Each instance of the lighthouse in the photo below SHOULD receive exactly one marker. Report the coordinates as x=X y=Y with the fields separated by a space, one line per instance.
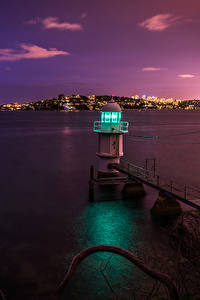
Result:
x=110 y=131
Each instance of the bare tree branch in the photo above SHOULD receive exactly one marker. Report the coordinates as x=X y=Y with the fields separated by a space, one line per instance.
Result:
x=2 y=295
x=163 y=278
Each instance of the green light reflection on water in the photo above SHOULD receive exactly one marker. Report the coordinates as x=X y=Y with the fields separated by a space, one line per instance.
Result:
x=108 y=223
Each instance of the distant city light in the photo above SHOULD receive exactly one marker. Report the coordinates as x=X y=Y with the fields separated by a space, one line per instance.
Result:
x=94 y=102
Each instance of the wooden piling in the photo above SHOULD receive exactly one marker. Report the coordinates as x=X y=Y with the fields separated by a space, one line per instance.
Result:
x=91 y=184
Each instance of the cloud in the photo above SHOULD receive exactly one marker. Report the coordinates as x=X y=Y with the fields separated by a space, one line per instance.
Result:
x=83 y=15
x=186 y=75
x=160 y=22
x=52 y=22
x=149 y=69
x=29 y=51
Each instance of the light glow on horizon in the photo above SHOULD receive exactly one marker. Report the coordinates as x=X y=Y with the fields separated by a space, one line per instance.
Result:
x=186 y=76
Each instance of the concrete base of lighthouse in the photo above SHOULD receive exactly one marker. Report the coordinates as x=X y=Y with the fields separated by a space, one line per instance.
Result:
x=133 y=190
x=104 y=169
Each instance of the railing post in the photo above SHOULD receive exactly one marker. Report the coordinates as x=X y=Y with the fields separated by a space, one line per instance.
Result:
x=146 y=163
x=171 y=186
x=154 y=167
x=91 y=184
x=185 y=191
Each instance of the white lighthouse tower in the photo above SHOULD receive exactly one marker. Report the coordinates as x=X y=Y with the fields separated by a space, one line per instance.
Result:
x=110 y=138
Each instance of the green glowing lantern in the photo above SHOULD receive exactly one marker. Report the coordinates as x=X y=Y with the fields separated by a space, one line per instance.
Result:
x=111 y=119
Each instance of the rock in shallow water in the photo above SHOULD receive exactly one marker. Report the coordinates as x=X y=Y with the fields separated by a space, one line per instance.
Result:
x=166 y=206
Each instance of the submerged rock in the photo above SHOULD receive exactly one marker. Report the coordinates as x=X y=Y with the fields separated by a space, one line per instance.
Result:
x=133 y=190
x=166 y=206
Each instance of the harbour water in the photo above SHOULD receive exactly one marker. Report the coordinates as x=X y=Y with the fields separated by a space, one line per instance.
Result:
x=45 y=215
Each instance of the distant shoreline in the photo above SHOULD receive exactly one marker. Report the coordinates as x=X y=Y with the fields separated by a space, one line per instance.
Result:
x=95 y=103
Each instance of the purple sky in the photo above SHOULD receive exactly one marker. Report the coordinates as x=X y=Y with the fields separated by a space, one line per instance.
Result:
x=119 y=47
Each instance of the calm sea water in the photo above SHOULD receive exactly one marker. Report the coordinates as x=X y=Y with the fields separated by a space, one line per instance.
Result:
x=45 y=216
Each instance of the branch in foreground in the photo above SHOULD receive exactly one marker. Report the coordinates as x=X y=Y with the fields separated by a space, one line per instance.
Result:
x=163 y=278
x=2 y=295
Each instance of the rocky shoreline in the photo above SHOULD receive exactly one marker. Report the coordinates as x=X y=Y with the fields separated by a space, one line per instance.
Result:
x=183 y=233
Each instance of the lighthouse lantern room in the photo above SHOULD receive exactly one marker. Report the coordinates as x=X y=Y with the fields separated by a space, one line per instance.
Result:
x=110 y=131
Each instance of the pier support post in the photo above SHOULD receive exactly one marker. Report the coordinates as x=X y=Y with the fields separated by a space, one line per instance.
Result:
x=91 y=184
x=158 y=180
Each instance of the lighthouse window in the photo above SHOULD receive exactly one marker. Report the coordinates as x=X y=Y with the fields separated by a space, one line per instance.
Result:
x=119 y=117
x=102 y=116
x=114 y=117
x=107 y=117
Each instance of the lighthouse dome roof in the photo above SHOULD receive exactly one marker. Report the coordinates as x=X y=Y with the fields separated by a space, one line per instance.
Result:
x=111 y=106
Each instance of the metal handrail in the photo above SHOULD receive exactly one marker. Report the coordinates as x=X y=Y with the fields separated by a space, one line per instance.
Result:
x=134 y=166
x=148 y=174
